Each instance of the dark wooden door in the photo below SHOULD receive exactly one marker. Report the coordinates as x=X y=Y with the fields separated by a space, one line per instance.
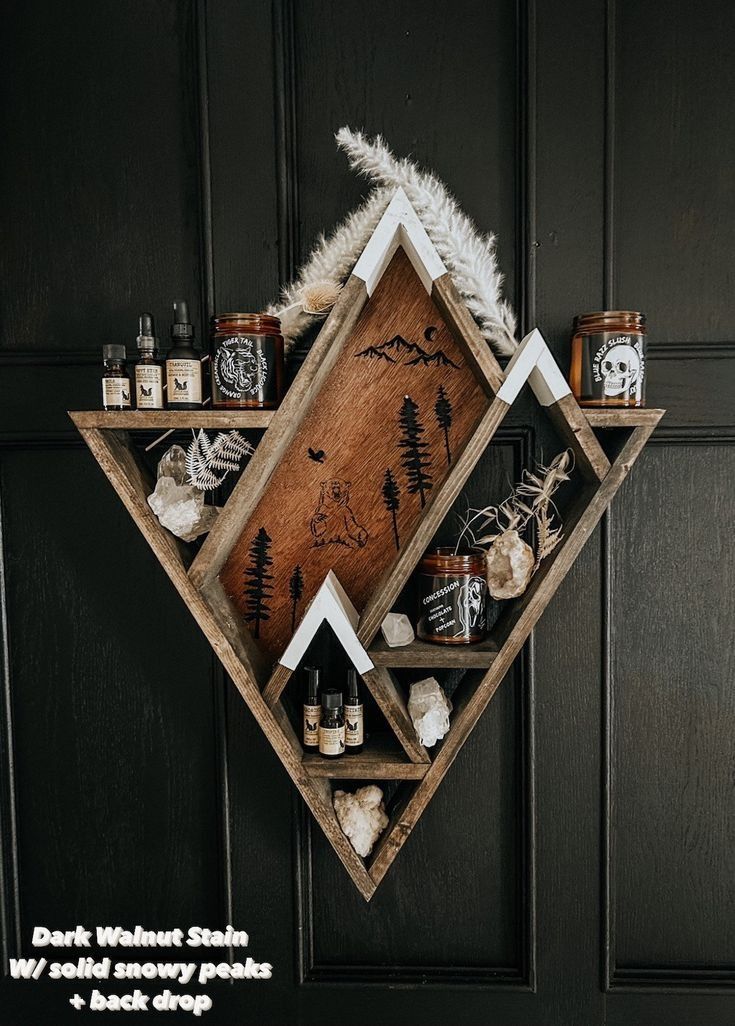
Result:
x=577 y=866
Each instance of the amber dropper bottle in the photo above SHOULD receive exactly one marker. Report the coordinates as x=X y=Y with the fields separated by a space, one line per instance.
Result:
x=312 y=709
x=183 y=364
x=354 y=715
x=148 y=369
x=332 y=725
x=115 y=380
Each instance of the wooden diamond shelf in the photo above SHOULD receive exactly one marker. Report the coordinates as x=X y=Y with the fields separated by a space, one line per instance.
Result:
x=378 y=761
x=338 y=430
x=423 y=654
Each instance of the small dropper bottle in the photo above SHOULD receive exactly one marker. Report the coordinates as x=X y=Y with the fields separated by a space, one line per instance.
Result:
x=354 y=715
x=115 y=380
x=312 y=709
x=183 y=364
x=148 y=370
x=332 y=725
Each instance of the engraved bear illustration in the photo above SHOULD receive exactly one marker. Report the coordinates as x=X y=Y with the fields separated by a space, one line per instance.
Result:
x=333 y=522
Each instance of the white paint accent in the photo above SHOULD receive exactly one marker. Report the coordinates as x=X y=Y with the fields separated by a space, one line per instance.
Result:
x=399 y=226
x=331 y=604
x=534 y=362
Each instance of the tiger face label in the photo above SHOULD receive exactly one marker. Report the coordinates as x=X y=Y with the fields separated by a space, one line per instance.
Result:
x=243 y=369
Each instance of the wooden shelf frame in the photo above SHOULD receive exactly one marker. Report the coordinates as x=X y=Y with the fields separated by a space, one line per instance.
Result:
x=113 y=448
x=261 y=685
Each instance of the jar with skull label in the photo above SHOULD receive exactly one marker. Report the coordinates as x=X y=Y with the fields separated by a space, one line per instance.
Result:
x=609 y=359
x=247 y=361
x=452 y=597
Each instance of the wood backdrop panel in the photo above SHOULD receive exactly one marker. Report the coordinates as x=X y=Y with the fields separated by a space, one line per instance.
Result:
x=674 y=150
x=100 y=187
x=674 y=712
x=122 y=826
x=328 y=513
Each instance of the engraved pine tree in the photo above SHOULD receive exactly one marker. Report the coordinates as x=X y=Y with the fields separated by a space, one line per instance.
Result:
x=392 y=500
x=443 y=411
x=258 y=586
x=295 y=590
x=416 y=457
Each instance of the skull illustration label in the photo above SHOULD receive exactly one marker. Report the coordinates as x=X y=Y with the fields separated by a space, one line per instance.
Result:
x=614 y=367
x=242 y=369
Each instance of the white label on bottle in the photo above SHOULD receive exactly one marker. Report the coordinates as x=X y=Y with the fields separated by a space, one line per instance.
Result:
x=183 y=381
x=331 y=740
x=149 y=386
x=354 y=733
x=116 y=392
x=312 y=715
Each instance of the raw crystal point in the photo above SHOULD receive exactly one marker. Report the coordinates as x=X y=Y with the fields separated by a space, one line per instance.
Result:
x=361 y=816
x=173 y=464
x=397 y=630
x=429 y=709
x=510 y=563
x=180 y=508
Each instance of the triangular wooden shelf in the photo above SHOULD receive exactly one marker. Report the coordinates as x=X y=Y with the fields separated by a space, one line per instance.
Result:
x=399 y=257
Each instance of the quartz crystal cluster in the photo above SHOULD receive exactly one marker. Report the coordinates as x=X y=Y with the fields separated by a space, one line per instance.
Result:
x=510 y=563
x=361 y=816
x=429 y=709
x=180 y=506
x=397 y=630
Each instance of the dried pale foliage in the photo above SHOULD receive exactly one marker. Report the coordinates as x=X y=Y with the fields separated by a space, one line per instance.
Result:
x=469 y=255
x=530 y=502
x=208 y=462
x=329 y=264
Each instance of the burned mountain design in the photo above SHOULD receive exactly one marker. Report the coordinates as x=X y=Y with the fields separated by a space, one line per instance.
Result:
x=400 y=345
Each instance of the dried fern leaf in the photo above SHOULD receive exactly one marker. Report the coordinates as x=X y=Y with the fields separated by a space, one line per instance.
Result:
x=209 y=462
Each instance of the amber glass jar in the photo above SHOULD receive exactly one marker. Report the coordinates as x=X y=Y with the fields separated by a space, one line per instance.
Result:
x=609 y=358
x=247 y=361
x=452 y=597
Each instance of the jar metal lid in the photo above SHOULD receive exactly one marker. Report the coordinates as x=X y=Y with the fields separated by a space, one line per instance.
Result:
x=445 y=560
x=612 y=319
x=258 y=323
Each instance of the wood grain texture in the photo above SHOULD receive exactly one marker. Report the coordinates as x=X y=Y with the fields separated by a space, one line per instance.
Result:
x=386 y=591
x=511 y=632
x=458 y=318
x=315 y=369
x=668 y=850
x=182 y=419
x=424 y=653
x=119 y=463
x=354 y=417
x=378 y=761
x=574 y=429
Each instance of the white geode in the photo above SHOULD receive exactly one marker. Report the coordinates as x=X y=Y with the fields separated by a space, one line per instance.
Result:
x=397 y=630
x=180 y=509
x=510 y=563
x=361 y=816
x=429 y=709
x=173 y=464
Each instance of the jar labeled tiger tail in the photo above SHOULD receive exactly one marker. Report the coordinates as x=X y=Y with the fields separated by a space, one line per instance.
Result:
x=609 y=358
x=452 y=597
x=247 y=361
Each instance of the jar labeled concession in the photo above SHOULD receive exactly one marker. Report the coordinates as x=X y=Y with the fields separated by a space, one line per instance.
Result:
x=609 y=358
x=247 y=361
x=452 y=597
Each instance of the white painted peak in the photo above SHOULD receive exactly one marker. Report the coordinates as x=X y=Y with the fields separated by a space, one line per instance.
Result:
x=332 y=604
x=399 y=226
x=534 y=362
